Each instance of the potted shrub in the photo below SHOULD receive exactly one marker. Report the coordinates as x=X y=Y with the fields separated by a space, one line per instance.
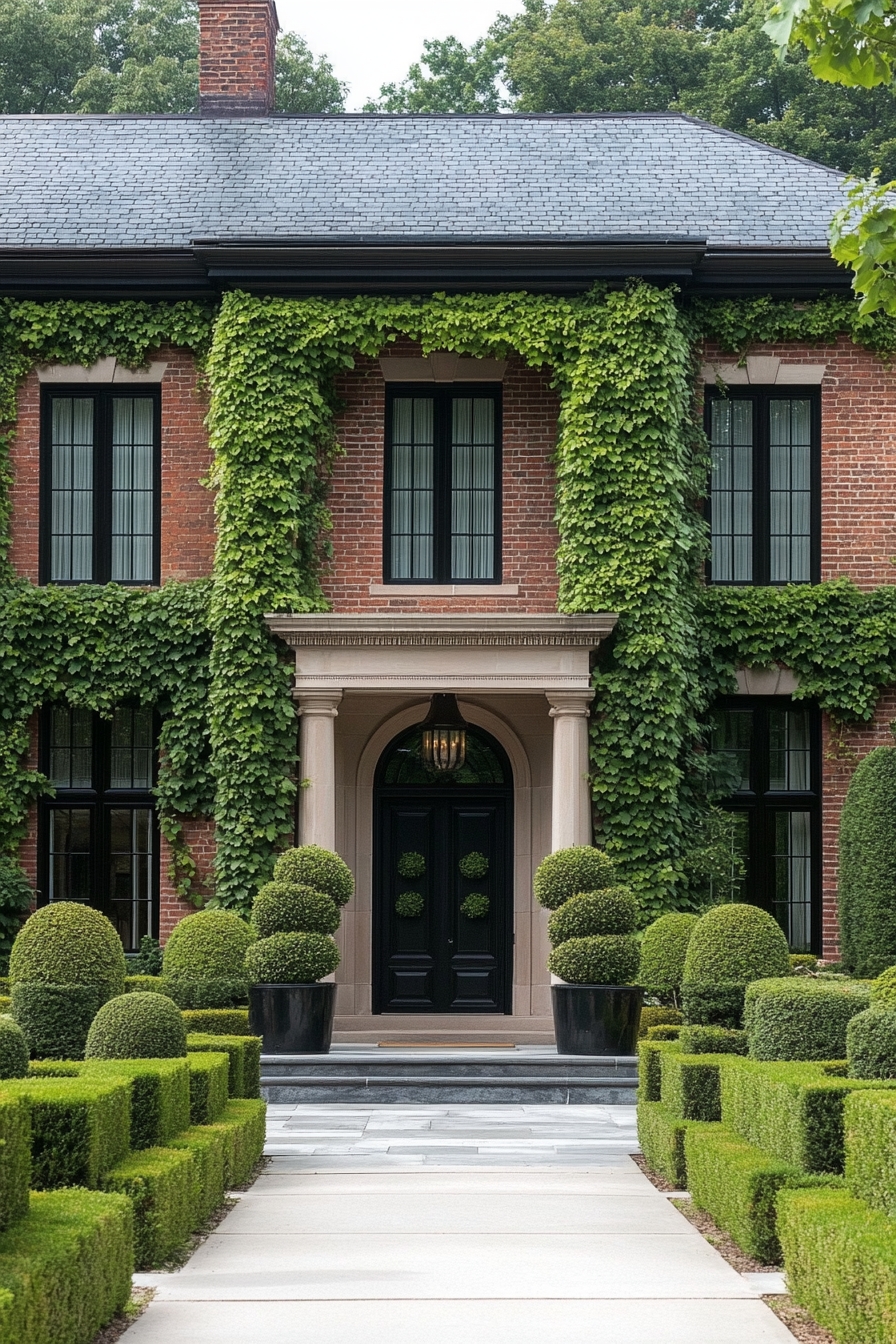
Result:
x=595 y=956
x=291 y=1006
x=202 y=962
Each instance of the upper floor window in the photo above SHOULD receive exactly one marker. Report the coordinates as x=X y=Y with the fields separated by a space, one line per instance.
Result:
x=100 y=487
x=764 y=491
x=443 y=486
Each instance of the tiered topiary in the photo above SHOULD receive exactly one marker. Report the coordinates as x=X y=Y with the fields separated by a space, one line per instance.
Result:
x=592 y=927
x=866 y=904
x=66 y=962
x=663 y=950
x=569 y=872
x=731 y=946
x=13 y=1049
x=202 y=962
x=294 y=916
x=137 y=1026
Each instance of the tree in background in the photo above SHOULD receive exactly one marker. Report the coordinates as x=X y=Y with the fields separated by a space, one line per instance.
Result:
x=460 y=79
x=130 y=56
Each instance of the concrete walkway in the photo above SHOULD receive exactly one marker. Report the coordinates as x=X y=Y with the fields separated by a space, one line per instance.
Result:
x=519 y=1224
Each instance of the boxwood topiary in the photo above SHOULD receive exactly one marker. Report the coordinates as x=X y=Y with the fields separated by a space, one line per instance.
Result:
x=311 y=866
x=569 y=872
x=476 y=905
x=611 y=959
x=720 y=1005
x=871 y=1044
x=209 y=945
x=736 y=943
x=713 y=1041
x=137 y=1026
x=13 y=1049
x=67 y=943
x=883 y=989
x=56 y=1018
x=411 y=865
x=291 y=959
x=290 y=907
x=866 y=904
x=663 y=1031
x=473 y=866
x=218 y=993
x=797 y=1017
x=653 y=1015
x=409 y=905
x=663 y=950
x=613 y=910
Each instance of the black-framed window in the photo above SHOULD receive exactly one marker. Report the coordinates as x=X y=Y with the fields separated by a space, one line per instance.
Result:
x=98 y=836
x=443 y=485
x=763 y=506
x=772 y=746
x=100 y=485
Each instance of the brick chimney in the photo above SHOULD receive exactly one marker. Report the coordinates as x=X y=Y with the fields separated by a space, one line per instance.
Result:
x=236 y=57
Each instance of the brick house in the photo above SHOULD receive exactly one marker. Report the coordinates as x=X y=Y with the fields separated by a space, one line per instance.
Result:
x=443 y=579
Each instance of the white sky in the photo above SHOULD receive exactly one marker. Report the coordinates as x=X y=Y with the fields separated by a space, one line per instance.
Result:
x=372 y=42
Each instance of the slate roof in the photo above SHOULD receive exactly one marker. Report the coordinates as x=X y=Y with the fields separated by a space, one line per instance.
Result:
x=160 y=182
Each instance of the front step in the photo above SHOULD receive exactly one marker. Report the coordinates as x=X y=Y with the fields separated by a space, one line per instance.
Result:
x=432 y=1028
x=353 y=1074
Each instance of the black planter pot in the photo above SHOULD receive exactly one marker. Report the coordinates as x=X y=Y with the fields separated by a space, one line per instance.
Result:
x=597 y=1019
x=293 y=1019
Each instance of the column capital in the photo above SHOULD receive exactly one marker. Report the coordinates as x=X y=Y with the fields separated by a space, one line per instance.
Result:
x=320 y=704
x=574 y=703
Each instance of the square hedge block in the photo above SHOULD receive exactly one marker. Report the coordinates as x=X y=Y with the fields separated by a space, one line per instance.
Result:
x=80 y=1127
x=15 y=1159
x=160 y=1095
x=661 y=1136
x=244 y=1053
x=689 y=1085
x=243 y=1127
x=217 y=1021
x=209 y=1073
x=162 y=1185
x=650 y=1055
x=206 y=1143
x=870 y=1142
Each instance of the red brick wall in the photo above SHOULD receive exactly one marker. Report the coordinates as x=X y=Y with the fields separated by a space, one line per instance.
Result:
x=356 y=497
x=199 y=834
x=236 y=55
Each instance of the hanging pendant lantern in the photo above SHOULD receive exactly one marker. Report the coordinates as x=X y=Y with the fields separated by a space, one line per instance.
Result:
x=444 y=735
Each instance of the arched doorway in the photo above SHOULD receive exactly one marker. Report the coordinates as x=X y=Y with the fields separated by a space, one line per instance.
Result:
x=438 y=842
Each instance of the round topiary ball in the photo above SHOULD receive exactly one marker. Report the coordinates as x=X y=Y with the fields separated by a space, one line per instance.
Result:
x=883 y=989
x=609 y=959
x=613 y=910
x=137 y=1026
x=287 y=907
x=291 y=959
x=663 y=950
x=67 y=943
x=210 y=945
x=319 y=868
x=736 y=943
x=569 y=872
x=409 y=905
x=13 y=1049
x=871 y=1044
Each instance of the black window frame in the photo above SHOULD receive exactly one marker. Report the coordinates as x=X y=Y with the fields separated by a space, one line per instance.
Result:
x=102 y=396
x=442 y=396
x=100 y=800
x=761 y=397
x=761 y=804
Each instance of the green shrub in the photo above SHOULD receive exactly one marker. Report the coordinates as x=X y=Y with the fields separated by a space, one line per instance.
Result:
x=201 y=994
x=653 y=1016
x=611 y=959
x=738 y=1186
x=803 y=961
x=664 y=1031
x=244 y=1054
x=13 y=1049
x=16 y=897
x=866 y=903
x=719 y=1005
x=137 y=1026
x=160 y=1095
x=144 y=984
x=800 y=1018
x=311 y=866
x=65 y=1270
x=840 y=1260
x=792 y=1111
x=613 y=910
x=713 y=1041
x=663 y=950
x=148 y=960
x=409 y=905
x=217 y=1021
x=871 y=1044
x=650 y=1055
x=291 y=959
x=883 y=989
x=735 y=944
x=209 y=945
x=689 y=1085
x=569 y=872
x=56 y=1018
x=242 y=1123
x=209 y=1073
x=287 y=907
x=162 y=1185
x=67 y=943
x=411 y=865
x=206 y=1144
x=5 y=1003
x=80 y=1127
x=475 y=906
x=869 y=1125
x=473 y=866
x=15 y=1159
x=661 y=1136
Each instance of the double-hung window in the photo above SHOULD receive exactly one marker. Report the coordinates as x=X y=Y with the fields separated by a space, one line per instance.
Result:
x=763 y=502
x=771 y=746
x=443 y=486
x=100 y=485
x=98 y=840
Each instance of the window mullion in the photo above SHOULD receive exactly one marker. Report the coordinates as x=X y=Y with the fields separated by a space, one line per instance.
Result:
x=442 y=501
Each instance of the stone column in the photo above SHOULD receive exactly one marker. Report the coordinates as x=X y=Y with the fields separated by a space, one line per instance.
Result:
x=570 y=791
x=317 y=763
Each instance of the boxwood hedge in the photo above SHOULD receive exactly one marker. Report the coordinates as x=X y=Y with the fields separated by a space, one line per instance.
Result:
x=871 y=1044
x=56 y=1018
x=137 y=1026
x=217 y=1021
x=244 y=1055
x=796 y=1017
x=162 y=1185
x=160 y=1095
x=690 y=1086
x=15 y=1159
x=80 y=1127
x=208 y=1085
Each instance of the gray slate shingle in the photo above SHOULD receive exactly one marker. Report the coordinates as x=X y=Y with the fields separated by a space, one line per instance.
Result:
x=165 y=181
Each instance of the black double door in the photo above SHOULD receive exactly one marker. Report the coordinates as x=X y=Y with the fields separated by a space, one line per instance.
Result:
x=452 y=955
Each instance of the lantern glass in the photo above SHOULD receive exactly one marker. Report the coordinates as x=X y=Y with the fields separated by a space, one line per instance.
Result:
x=443 y=738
